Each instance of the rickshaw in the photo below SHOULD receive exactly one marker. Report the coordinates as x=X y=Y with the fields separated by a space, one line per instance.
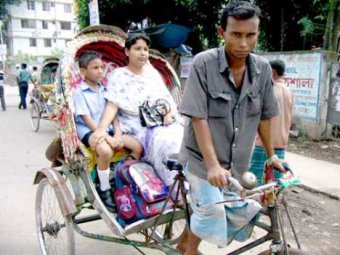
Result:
x=64 y=192
x=43 y=96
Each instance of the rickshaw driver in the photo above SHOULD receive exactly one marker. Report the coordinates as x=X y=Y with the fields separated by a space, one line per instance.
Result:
x=228 y=97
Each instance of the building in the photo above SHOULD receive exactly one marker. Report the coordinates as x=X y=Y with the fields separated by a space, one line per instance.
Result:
x=38 y=27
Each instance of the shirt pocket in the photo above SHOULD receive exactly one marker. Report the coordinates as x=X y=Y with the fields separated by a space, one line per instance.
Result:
x=253 y=103
x=218 y=104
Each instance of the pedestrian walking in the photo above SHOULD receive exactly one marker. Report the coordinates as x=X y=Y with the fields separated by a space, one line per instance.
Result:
x=23 y=78
x=280 y=124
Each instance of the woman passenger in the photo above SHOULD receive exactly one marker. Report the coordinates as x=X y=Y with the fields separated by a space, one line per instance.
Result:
x=128 y=88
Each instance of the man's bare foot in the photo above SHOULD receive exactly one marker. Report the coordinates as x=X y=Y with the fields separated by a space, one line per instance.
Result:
x=182 y=244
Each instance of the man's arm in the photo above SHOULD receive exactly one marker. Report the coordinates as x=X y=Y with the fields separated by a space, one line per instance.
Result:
x=264 y=131
x=99 y=134
x=216 y=174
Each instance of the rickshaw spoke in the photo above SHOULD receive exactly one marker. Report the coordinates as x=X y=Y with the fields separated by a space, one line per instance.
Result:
x=54 y=231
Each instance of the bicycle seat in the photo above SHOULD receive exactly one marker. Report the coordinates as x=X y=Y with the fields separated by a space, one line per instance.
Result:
x=171 y=162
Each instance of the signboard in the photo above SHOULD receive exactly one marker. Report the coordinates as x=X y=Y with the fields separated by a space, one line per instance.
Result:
x=94 y=12
x=186 y=63
x=302 y=76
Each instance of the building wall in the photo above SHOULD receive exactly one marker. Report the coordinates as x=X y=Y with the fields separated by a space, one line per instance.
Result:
x=308 y=75
x=54 y=36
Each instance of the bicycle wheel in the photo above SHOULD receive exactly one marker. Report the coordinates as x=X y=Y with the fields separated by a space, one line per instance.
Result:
x=55 y=235
x=170 y=232
x=35 y=116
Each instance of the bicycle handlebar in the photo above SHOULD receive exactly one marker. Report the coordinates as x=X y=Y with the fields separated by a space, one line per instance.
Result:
x=263 y=187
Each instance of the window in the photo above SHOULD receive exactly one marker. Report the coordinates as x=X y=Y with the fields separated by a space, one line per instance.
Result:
x=67 y=8
x=65 y=25
x=47 y=43
x=33 y=42
x=44 y=24
x=30 y=5
x=46 y=6
x=27 y=23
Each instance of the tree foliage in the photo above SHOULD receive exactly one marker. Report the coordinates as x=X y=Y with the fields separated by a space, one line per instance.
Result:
x=189 y=13
x=300 y=24
x=19 y=58
x=285 y=25
x=3 y=10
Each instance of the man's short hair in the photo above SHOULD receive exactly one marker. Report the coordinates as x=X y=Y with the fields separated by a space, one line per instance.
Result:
x=240 y=10
x=279 y=66
x=86 y=57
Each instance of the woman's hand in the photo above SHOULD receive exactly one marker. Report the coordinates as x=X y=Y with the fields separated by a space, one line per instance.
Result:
x=168 y=119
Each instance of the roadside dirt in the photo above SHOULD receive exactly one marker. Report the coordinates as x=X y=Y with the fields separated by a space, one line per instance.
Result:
x=316 y=216
x=328 y=150
x=316 y=221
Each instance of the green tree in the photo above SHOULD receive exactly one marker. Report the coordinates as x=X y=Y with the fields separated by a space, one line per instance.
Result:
x=300 y=24
x=81 y=9
x=19 y=58
x=332 y=31
x=3 y=10
x=4 y=16
x=201 y=15
x=285 y=25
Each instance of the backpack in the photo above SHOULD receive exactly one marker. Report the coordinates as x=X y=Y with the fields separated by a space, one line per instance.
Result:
x=139 y=192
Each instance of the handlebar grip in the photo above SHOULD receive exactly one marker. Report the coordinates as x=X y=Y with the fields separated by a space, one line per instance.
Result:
x=286 y=166
x=235 y=182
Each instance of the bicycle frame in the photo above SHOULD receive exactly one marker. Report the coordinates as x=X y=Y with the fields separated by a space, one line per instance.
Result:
x=272 y=192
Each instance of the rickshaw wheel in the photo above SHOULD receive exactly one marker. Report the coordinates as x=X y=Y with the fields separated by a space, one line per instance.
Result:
x=166 y=232
x=54 y=230
x=35 y=116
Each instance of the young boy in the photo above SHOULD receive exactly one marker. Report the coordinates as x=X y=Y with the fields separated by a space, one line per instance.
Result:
x=89 y=103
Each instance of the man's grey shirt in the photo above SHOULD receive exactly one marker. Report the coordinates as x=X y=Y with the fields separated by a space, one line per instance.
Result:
x=233 y=116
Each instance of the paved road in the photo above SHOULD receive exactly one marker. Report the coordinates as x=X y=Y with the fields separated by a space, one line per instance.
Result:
x=22 y=154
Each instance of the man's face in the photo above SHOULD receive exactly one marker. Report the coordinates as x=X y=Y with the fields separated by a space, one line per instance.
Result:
x=240 y=36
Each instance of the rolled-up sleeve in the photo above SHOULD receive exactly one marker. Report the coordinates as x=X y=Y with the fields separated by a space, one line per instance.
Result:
x=194 y=101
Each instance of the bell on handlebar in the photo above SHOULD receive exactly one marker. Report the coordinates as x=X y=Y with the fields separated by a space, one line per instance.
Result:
x=248 y=180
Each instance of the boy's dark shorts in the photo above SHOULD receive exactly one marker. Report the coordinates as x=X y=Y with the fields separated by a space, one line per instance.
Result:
x=86 y=138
